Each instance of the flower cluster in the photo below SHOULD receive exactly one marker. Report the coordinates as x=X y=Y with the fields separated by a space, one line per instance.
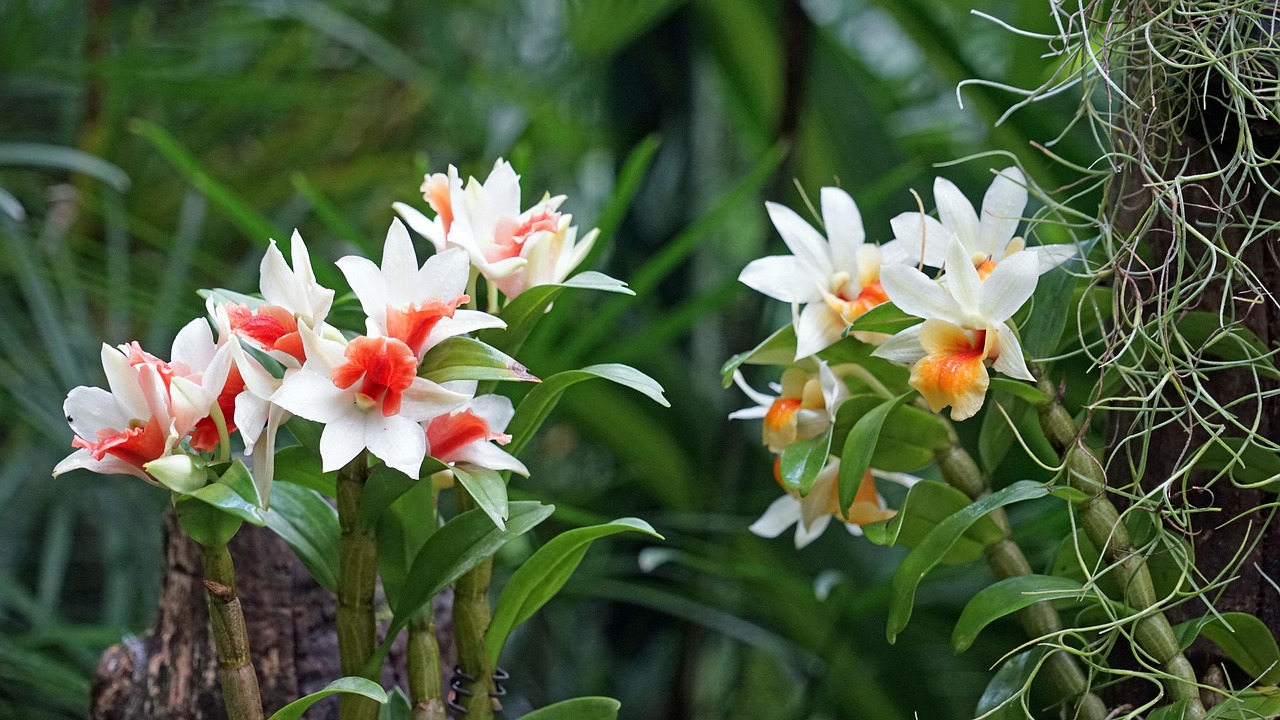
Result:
x=257 y=361
x=986 y=275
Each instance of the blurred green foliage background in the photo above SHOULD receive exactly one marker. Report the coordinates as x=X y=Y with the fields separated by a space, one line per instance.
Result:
x=151 y=148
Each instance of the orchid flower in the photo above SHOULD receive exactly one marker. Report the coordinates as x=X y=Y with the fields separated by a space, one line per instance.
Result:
x=965 y=327
x=468 y=433
x=813 y=513
x=148 y=411
x=416 y=305
x=988 y=239
x=804 y=407
x=290 y=295
x=368 y=395
x=836 y=278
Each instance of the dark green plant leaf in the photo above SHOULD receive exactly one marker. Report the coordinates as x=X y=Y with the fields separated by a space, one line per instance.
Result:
x=385 y=485
x=233 y=493
x=777 y=349
x=884 y=318
x=488 y=490
x=803 y=460
x=1244 y=638
x=298 y=465
x=206 y=524
x=1006 y=597
x=348 y=685
x=1245 y=462
x=1013 y=677
x=462 y=358
x=938 y=542
x=859 y=447
x=1042 y=331
x=927 y=504
x=397 y=706
x=403 y=528
x=1250 y=704
x=309 y=525
x=908 y=440
x=1020 y=389
x=544 y=573
x=537 y=405
x=583 y=708
x=1205 y=333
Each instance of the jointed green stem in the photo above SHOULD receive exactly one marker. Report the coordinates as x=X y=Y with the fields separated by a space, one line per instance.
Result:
x=471 y=616
x=1130 y=576
x=357 y=576
x=235 y=667
x=424 y=668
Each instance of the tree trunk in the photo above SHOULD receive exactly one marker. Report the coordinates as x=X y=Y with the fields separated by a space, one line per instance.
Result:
x=172 y=671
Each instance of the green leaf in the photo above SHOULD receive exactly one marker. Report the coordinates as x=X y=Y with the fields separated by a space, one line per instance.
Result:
x=462 y=358
x=1020 y=389
x=1042 y=331
x=859 y=447
x=309 y=525
x=1244 y=638
x=1245 y=462
x=938 y=542
x=522 y=313
x=397 y=706
x=233 y=493
x=347 y=685
x=458 y=546
x=299 y=466
x=1176 y=711
x=883 y=318
x=1011 y=680
x=777 y=349
x=927 y=504
x=488 y=490
x=543 y=574
x=908 y=440
x=1006 y=597
x=386 y=485
x=205 y=523
x=1250 y=704
x=403 y=528
x=537 y=405
x=803 y=460
x=583 y=708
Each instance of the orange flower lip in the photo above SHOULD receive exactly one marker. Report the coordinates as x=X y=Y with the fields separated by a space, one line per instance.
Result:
x=781 y=413
x=413 y=324
x=954 y=372
x=136 y=445
x=385 y=368
x=447 y=434
x=270 y=326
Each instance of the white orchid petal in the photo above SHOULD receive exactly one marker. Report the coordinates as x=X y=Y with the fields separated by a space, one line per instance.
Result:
x=319 y=299
x=1010 y=362
x=122 y=379
x=193 y=346
x=430 y=229
x=807 y=534
x=962 y=279
x=915 y=294
x=399 y=266
x=819 y=328
x=1002 y=209
x=90 y=409
x=804 y=242
x=278 y=283
x=1009 y=286
x=844 y=228
x=754 y=412
x=397 y=441
x=425 y=399
x=108 y=465
x=251 y=416
x=1049 y=257
x=368 y=284
x=190 y=404
x=488 y=455
x=903 y=348
x=756 y=396
x=781 y=514
x=783 y=277
x=443 y=275
x=342 y=440
x=956 y=212
x=496 y=410
x=923 y=238
x=313 y=396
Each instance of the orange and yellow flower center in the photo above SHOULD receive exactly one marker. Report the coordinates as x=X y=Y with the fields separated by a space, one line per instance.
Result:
x=953 y=371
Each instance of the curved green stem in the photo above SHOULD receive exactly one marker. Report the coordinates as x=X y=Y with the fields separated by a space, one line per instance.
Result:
x=357 y=578
x=231 y=638
x=1130 y=576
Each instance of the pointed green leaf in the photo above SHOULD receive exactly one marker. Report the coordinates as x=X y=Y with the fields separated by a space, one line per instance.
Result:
x=1244 y=638
x=403 y=528
x=309 y=525
x=1251 y=704
x=537 y=405
x=802 y=461
x=544 y=573
x=397 y=706
x=348 y=685
x=777 y=349
x=938 y=542
x=1043 y=329
x=1020 y=389
x=909 y=437
x=205 y=523
x=859 y=446
x=883 y=318
x=299 y=466
x=583 y=708
x=1006 y=597
x=233 y=493
x=927 y=504
x=385 y=485
x=1008 y=686
x=461 y=358
x=488 y=490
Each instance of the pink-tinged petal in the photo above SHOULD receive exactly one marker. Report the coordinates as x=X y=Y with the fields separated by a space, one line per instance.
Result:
x=1002 y=209
x=108 y=465
x=215 y=374
x=501 y=269
x=425 y=399
x=915 y=294
x=956 y=212
x=488 y=455
x=444 y=275
x=193 y=346
x=367 y=283
x=962 y=279
x=497 y=410
x=1009 y=286
x=819 y=328
x=922 y=238
x=421 y=224
x=343 y=439
x=903 y=348
x=155 y=394
x=804 y=242
x=844 y=228
x=90 y=409
x=783 y=277
x=1010 y=361
x=399 y=266
x=313 y=396
x=781 y=514
x=1049 y=257
x=122 y=379
x=397 y=441
x=807 y=534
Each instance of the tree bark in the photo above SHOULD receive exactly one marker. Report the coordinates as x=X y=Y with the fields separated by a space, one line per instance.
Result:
x=171 y=673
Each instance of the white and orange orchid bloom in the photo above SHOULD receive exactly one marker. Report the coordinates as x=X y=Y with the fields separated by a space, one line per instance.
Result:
x=418 y=306
x=989 y=237
x=813 y=513
x=468 y=434
x=804 y=407
x=836 y=278
x=367 y=394
x=965 y=327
